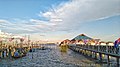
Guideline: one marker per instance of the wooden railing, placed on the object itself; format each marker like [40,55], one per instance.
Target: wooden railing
[99,48]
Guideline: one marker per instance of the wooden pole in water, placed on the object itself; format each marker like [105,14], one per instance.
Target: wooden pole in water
[3,53]
[100,55]
[96,52]
[9,54]
[117,58]
[90,53]
[1,49]
[32,50]
[108,58]
[28,40]
[95,55]
[0,54]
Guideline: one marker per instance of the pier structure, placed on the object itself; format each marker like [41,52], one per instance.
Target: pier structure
[95,48]
[97,51]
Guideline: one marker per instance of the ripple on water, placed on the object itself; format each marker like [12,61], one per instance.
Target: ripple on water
[48,58]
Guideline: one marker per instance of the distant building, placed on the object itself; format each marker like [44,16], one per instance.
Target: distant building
[82,39]
[65,42]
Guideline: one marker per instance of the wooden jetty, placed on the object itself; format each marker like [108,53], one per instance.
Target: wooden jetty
[93,50]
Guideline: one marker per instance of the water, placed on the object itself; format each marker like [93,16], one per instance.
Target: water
[51,57]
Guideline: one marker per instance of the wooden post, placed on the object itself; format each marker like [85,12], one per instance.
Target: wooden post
[81,51]
[32,50]
[106,48]
[9,53]
[95,55]
[98,48]
[108,60]
[95,48]
[90,53]
[85,52]
[0,54]
[119,50]
[1,49]
[3,53]
[100,56]
[117,58]
[28,40]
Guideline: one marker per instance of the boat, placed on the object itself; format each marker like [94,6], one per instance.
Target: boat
[20,56]
[16,57]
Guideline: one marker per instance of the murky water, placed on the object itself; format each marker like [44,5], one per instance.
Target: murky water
[51,57]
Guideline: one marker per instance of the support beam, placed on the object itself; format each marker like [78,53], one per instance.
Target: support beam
[117,58]
[108,60]
[95,55]
[100,56]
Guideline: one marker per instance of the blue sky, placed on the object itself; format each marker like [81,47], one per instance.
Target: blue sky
[56,20]
[25,8]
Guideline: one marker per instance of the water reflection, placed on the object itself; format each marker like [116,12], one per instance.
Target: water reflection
[63,48]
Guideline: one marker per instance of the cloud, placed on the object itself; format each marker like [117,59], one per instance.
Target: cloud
[43,25]
[66,17]
[27,26]
[75,12]
[36,21]
[3,21]
[42,35]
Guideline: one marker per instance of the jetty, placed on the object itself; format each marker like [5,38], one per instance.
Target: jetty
[94,48]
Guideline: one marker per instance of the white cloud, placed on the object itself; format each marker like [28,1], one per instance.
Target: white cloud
[73,13]
[44,25]
[30,26]
[3,21]
[36,21]
[65,17]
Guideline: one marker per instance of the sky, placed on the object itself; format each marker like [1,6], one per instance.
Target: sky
[56,20]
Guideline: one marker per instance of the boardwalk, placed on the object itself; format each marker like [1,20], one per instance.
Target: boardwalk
[92,50]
